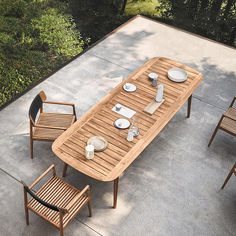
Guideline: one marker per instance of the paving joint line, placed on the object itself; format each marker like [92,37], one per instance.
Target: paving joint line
[88,226]
[10,175]
[213,105]
[109,61]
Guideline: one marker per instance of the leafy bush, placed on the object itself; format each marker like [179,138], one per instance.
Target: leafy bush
[57,33]
[35,39]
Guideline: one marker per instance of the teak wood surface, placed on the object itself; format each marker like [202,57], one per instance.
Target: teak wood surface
[98,121]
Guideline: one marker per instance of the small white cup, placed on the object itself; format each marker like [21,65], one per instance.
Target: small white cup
[118,107]
[153,76]
[127,86]
[89,151]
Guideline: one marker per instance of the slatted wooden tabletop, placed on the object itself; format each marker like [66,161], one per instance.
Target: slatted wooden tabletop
[109,164]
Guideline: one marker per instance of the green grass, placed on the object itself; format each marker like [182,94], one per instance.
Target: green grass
[146,7]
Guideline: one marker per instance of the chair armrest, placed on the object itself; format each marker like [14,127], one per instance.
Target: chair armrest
[77,197]
[60,103]
[42,175]
[232,103]
[230,117]
[63,103]
[50,127]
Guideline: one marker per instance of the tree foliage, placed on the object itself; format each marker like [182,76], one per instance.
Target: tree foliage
[215,19]
[95,18]
[35,38]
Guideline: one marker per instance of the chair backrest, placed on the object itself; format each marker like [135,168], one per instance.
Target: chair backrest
[35,106]
[51,206]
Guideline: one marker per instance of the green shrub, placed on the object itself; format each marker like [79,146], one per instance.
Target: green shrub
[35,39]
[56,33]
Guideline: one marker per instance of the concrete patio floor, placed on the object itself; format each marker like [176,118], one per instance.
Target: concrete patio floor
[173,187]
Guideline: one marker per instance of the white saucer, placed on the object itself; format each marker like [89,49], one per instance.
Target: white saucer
[122,123]
[131,88]
[177,75]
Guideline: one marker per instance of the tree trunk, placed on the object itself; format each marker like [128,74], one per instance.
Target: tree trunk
[123,7]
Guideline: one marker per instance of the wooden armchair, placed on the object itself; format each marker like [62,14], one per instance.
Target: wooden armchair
[233,171]
[49,125]
[227,122]
[56,201]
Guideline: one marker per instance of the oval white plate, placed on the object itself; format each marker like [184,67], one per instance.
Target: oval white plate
[122,123]
[131,88]
[152,75]
[177,75]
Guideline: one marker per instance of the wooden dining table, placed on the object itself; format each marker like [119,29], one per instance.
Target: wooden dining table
[109,164]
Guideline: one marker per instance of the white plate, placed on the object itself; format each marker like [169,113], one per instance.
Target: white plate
[130,87]
[152,76]
[177,75]
[122,123]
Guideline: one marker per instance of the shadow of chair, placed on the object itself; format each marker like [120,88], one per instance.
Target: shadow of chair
[56,201]
[48,125]
[227,122]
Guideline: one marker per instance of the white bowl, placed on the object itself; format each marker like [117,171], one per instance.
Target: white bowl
[177,75]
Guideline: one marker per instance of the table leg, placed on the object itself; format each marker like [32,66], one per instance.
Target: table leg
[189,106]
[115,192]
[64,170]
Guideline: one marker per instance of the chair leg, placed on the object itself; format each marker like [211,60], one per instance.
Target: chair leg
[228,176]
[61,232]
[64,170]
[26,208]
[189,106]
[31,140]
[31,148]
[213,136]
[89,203]
[90,207]
[27,216]
[215,131]
[61,223]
